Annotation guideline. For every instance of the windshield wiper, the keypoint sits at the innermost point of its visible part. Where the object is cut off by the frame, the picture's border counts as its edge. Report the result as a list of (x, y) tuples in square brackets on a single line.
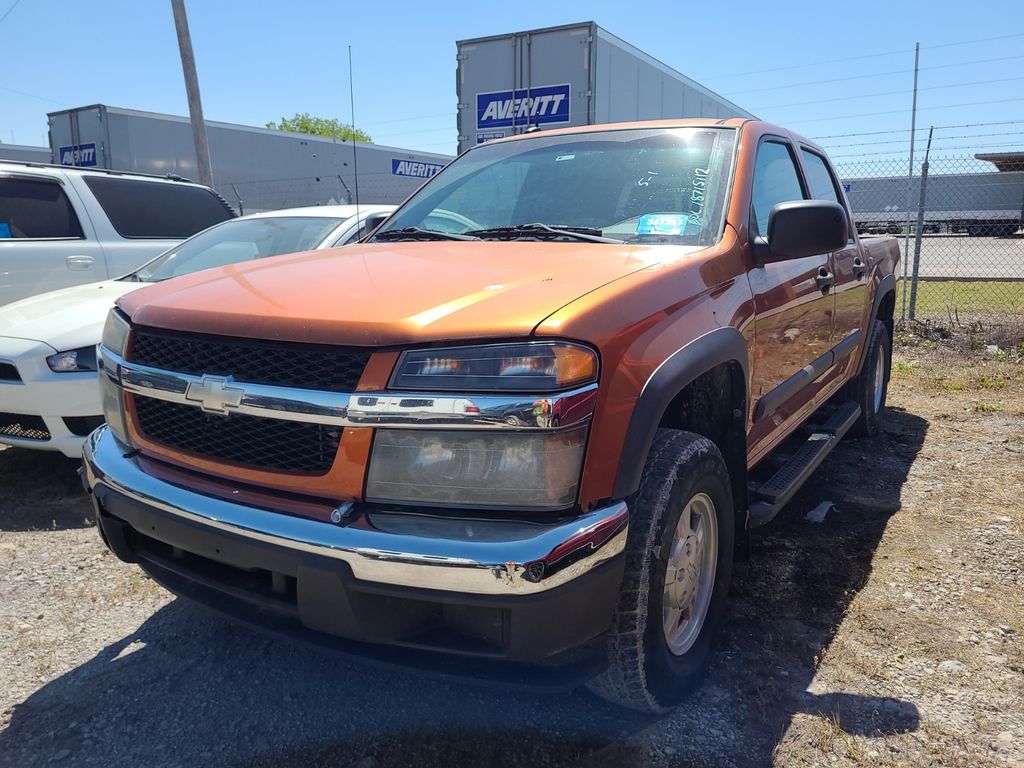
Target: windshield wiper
[(588, 234), (415, 233)]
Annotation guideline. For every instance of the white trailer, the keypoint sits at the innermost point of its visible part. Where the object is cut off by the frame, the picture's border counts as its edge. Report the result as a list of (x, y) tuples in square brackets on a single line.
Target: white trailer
[(255, 169), (578, 74)]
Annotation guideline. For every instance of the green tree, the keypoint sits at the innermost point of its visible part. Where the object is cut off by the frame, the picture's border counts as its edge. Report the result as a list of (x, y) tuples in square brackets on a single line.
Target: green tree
[(319, 126)]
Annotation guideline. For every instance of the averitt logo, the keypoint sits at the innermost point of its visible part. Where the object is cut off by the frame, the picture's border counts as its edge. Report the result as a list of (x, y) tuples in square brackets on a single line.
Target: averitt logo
[(78, 154), (525, 106), (415, 169)]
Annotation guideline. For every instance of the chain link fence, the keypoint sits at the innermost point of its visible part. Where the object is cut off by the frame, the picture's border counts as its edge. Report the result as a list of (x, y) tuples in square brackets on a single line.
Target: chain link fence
[(960, 222)]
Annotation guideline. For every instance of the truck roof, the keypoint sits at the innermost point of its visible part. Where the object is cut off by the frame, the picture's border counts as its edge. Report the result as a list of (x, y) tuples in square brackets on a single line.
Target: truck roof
[(679, 122)]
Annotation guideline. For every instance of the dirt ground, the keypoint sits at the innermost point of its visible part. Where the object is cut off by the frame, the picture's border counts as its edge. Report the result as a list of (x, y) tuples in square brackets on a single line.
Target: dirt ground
[(890, 634)]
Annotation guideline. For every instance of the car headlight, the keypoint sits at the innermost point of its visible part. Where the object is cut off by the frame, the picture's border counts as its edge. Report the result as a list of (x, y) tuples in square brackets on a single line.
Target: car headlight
[(532, 366), (115, 332), (74, 360), (466, 468), (112, 401)]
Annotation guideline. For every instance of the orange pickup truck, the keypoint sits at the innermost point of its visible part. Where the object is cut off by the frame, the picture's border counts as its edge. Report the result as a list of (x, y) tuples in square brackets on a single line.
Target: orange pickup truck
[(530, 420)]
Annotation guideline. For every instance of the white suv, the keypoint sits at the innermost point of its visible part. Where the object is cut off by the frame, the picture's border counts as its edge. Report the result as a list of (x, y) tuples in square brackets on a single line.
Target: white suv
[(62, 226)]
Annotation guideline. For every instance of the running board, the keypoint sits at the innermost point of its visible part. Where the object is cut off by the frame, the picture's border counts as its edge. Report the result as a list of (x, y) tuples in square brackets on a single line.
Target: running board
[(770, 497)]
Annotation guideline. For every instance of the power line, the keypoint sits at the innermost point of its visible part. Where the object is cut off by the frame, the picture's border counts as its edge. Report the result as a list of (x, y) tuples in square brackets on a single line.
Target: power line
[(896, 153), (907, 130), (873, 74), (920, 109), (937, 139), (859, 58), (29, 95), (8, 11), (895, 93)]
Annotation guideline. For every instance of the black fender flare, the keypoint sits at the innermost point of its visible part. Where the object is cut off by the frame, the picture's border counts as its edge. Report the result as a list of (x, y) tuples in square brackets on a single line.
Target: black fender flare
[(886, 285), (682, 367)]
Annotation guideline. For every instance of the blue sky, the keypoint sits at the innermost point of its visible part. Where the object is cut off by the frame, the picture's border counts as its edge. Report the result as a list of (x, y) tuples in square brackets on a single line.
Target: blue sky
[(822, 69)]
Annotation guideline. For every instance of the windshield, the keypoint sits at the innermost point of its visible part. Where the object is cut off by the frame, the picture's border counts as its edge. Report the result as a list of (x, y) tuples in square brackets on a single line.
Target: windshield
[(239, 240), (636, 186)]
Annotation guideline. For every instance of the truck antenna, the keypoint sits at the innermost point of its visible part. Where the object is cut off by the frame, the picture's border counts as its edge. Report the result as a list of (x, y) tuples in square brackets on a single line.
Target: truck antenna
[(352, 105)]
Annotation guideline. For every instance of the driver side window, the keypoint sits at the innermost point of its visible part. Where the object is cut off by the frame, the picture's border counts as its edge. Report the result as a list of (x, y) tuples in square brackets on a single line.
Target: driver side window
[(775, 181)]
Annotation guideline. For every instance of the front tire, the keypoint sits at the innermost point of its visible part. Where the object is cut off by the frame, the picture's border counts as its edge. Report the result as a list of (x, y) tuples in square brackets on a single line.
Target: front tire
[(678, 565)]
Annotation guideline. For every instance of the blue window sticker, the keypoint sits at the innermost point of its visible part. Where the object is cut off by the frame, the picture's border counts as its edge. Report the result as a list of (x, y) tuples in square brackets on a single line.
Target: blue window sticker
[(662, 224), (5, 229)]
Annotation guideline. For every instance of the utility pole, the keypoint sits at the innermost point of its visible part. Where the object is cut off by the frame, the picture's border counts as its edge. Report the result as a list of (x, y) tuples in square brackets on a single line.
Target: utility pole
[(195, 105)]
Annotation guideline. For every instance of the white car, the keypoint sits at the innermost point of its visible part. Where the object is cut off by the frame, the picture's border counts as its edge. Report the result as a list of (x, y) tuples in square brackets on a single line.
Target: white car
[(49, 398)]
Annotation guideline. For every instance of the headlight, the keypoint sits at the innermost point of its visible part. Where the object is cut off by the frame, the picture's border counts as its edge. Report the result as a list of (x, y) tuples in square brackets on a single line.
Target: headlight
[(113, 407), (115, 332), (539, 470), (83, 359), (533, 366)]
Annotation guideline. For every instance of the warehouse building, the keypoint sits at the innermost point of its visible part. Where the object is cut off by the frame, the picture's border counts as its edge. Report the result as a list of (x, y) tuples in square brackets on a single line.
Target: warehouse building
[(23, 153)]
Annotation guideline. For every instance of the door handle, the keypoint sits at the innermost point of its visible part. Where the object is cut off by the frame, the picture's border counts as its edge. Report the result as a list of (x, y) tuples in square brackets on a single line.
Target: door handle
[(80, 262), (825, 279), (859, 268)]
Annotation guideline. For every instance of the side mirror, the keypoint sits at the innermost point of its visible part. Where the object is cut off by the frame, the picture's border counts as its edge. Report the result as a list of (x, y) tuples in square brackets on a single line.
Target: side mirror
[(800, 228), (373, 221)]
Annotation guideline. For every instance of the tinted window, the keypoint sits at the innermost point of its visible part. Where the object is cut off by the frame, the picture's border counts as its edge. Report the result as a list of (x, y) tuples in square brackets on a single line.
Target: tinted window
[(818, 178), (775, 181), (154, 209), (36, 209), (241, 240)]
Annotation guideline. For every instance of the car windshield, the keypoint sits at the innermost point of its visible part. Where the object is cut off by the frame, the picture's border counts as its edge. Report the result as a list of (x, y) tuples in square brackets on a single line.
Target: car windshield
[(239, 240), (636, 186)]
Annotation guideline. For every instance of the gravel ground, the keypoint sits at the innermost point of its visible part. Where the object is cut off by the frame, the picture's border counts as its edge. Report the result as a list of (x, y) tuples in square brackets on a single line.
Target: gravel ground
[(888, 634)]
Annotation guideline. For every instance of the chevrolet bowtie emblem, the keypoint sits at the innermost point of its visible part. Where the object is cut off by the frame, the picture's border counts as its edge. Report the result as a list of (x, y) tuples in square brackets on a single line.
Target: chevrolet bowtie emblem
[(214, 394)]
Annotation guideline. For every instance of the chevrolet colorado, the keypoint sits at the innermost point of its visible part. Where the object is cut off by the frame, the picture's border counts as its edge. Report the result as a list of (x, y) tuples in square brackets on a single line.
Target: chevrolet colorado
[(530, 419)]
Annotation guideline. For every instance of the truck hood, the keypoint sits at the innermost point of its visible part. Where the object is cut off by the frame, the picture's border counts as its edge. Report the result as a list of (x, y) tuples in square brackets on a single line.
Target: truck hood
[(66, 319), (391, 293)]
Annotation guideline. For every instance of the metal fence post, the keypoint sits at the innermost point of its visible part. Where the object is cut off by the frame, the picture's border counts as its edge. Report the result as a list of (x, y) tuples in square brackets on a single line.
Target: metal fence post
[(920, 227)]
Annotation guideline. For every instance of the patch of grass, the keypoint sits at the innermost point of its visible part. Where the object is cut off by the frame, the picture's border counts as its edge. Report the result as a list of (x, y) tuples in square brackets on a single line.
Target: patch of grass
[(985, 408), (993, 382), (954, 385), (904, 368), (988, 297)]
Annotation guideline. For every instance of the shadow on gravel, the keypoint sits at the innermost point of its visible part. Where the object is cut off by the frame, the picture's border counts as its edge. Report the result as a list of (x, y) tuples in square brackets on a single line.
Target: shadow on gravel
[(41, 490), (789, 601), (187, 688)]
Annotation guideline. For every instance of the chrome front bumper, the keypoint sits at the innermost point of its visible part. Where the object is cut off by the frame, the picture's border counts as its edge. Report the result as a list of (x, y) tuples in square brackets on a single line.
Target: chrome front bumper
[(464, 555)]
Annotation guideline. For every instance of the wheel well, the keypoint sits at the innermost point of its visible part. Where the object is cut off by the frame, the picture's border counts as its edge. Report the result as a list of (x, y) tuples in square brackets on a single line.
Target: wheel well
[(886, 311), (715, 405)]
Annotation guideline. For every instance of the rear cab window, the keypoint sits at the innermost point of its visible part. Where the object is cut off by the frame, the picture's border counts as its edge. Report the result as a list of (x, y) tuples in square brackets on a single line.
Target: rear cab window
[(152, 209), (822, 183), (36, 209)]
